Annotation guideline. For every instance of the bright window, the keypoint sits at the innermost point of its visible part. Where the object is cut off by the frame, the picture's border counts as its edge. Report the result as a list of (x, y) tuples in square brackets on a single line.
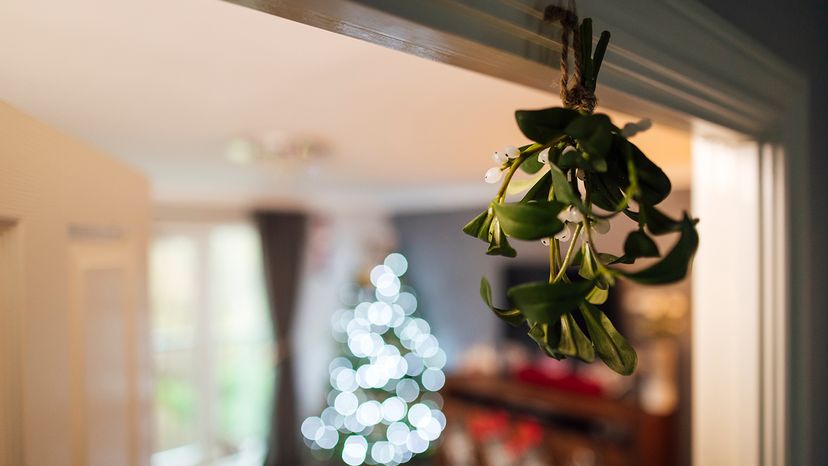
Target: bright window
[(212, 345)]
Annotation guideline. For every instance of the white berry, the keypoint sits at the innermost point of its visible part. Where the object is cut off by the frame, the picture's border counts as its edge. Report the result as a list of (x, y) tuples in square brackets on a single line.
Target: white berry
[(543, 157), (511, 152), (568, 149), (546, 241), (499, 157), (493, 175), (566, 233), (574, 215)]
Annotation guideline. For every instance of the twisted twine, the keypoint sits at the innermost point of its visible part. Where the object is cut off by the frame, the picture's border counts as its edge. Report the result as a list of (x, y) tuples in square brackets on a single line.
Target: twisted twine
[(578, 97)]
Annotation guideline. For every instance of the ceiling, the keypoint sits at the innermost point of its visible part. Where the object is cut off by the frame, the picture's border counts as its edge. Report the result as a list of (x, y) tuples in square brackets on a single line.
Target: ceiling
[(165, 86)]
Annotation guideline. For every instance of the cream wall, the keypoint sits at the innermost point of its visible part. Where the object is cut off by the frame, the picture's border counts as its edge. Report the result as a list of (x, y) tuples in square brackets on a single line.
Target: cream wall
[(73, 301)]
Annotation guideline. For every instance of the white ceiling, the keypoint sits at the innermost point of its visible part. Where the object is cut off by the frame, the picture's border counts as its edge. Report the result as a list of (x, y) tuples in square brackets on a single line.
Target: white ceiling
[(165, 85)]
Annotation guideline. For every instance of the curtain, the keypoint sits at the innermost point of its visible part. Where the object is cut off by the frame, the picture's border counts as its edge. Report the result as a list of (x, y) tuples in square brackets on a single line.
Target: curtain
[(283, 237)]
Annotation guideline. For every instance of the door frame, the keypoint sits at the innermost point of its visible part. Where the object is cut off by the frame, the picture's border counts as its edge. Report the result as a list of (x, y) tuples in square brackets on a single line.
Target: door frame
[(726, 78)]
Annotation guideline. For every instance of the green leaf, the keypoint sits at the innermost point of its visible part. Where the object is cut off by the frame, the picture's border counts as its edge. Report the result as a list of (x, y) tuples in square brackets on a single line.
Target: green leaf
[(540, 191), (547, 337), (498, 244), (573, 342), (479, 226), (598, 295), (563, 190), (604, 192), (593, 132), (531, 165), (674, 266), (638, 244), (547, 302), (529, 221), (657, 222), (545, 126), (512, 316), (610, 345), (653, 184)]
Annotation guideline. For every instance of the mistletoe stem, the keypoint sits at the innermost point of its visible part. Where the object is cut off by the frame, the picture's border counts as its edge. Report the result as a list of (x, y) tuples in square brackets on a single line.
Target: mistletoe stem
[(568, 256), (512, 169)]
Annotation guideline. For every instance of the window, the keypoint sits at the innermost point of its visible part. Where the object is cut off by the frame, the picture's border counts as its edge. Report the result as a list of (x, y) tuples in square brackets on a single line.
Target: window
[(212, 345)]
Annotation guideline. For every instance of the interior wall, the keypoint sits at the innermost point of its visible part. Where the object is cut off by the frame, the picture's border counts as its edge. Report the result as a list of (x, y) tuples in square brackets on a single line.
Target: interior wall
[(796, 32), (67, 198)]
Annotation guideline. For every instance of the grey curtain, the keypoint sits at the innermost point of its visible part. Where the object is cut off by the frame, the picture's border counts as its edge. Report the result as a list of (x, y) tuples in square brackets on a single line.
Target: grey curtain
[(283, 238)]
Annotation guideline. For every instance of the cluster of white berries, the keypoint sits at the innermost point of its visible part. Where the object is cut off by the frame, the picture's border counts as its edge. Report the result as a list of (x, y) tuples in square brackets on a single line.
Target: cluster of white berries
[(500, 157), (631, 129), (571, 218)]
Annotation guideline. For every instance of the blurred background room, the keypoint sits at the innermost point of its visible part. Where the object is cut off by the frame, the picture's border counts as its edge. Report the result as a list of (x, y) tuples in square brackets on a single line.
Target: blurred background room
[(230, 235)]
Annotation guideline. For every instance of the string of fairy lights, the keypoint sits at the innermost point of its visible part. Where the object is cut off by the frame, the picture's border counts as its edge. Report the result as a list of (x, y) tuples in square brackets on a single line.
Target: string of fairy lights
[(383, 406)]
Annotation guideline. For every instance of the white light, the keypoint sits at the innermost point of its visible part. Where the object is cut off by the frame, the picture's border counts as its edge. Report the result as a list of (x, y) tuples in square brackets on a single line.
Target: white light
[(440, 417), (431, 430), (415, 443), (397, 433), (312, 427), (397, 316), (419, 415), (328, 438), (352, 424), (393, 409), (408, 302), (369, 413), (415, 364), (340, 362), (345, 380), (426, 345), (437, 361), (346, 403), (388, 285), (353, 453), (397, 263), (332, 418), (380, 313), (378, 272), (433, 379), (408, 390), (382, 452)]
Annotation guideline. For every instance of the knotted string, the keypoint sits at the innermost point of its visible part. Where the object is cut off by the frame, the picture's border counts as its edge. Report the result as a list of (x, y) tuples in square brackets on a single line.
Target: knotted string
[(579, 96)]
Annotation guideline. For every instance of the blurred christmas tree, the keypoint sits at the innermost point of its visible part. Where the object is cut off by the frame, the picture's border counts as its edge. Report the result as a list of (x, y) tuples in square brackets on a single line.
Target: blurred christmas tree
[(383, 407)]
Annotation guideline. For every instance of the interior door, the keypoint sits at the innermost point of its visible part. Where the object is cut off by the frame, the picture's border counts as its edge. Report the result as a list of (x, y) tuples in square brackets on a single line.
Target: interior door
[(72, 301)]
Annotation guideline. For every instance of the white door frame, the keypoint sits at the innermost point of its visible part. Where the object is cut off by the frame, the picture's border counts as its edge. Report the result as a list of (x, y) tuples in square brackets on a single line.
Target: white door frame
[(723, 78)]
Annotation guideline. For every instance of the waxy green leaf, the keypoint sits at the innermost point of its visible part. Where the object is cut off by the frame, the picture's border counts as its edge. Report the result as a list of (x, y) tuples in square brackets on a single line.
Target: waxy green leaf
[(540, 191), (529, 221), (547, 337), (478, 227), (610, 345), (513, 316), (547, 302), (638, 244), (547, 125), (593, 132), (674, 266), (498, 244), (573, 342)]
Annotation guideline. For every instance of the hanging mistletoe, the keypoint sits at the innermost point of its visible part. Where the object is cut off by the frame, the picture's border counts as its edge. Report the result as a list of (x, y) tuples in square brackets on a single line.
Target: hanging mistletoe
[(586, 172)]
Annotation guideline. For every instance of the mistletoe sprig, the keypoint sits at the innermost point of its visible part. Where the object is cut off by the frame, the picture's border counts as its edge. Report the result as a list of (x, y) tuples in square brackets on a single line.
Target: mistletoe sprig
[(586, 172)]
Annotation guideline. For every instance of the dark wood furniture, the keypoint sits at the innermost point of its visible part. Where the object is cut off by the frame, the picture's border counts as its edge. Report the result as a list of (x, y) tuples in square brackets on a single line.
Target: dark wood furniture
[(618, 432)]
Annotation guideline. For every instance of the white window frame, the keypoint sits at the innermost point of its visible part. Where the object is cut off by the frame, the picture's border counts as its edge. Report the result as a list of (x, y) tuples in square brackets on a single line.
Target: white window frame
[(724, 78), (198, 453)]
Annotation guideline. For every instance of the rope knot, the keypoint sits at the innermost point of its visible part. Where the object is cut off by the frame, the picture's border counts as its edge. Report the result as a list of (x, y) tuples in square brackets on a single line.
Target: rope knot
[(578, 97)]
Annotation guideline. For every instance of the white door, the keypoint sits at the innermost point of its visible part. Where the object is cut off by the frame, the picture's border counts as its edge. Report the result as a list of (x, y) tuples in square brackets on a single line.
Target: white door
[(73, 233)]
